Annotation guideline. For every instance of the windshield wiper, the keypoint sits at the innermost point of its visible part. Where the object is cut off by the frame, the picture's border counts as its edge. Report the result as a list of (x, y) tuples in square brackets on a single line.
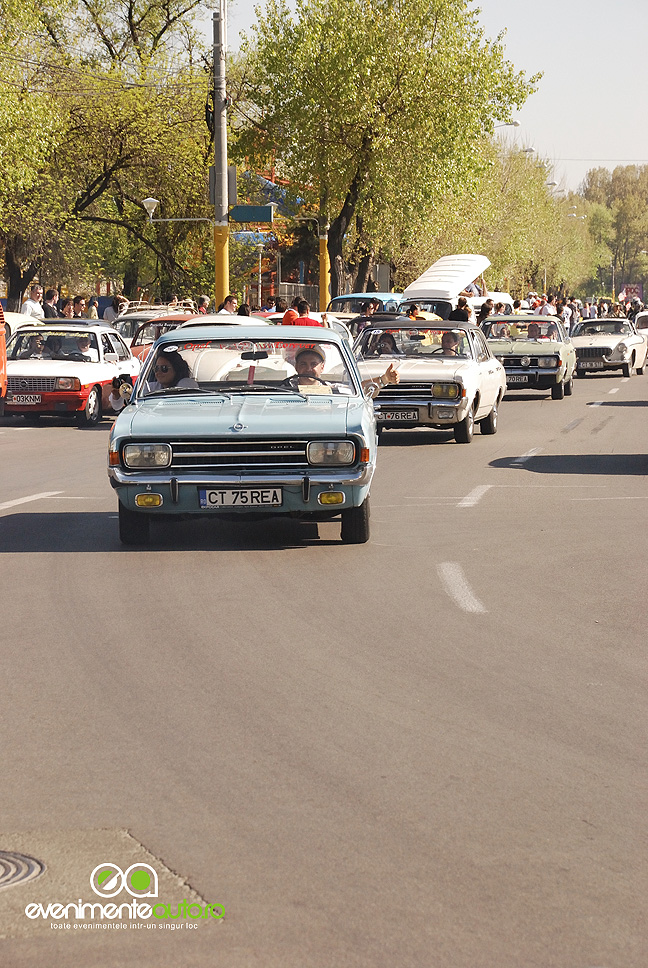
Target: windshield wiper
[(160, 393), (268, 387)]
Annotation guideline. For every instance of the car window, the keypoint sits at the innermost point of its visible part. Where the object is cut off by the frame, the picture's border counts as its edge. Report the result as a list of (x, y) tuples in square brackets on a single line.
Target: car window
[(53, 344), (248, 366), (412, 341), (483, 353), (119, 347)]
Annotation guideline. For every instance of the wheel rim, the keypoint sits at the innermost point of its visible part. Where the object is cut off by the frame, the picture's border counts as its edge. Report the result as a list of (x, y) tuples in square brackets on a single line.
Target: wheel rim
[(93, 405)]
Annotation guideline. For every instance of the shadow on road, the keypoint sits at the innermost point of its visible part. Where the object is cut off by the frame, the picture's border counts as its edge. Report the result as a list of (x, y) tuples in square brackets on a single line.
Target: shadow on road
[(622, 403), (51, 423), (609, 465), (74, 532), (414, 438)]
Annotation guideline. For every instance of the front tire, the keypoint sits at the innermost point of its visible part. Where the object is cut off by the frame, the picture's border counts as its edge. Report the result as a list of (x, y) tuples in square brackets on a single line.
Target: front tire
[(355, 524), (569, 386), (558, 391), (489, 424), (133, 526), (91, 414), (463, 431)]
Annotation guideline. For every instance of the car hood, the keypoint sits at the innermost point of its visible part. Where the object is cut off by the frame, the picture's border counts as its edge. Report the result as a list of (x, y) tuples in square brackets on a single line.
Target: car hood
[(447, 277), (86, 372), (601, 339), (251, 414), (525, 347), (416, 370)]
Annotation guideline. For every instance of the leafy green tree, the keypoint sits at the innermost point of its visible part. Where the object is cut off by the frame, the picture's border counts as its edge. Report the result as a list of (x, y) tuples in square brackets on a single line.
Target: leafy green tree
[(368, 121)]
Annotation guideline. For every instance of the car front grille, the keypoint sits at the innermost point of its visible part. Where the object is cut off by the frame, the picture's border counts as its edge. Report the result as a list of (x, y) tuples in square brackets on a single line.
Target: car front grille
[(31, 384), (593, 352), (407, 391), (516, 361), (237, 456)]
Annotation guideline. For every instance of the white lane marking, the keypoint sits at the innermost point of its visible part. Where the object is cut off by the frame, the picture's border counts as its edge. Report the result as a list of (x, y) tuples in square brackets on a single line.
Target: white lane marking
[(456, 586), (525, 457), (625, 379), (615, 390), (26, 500), (597, 403), (477, 493)]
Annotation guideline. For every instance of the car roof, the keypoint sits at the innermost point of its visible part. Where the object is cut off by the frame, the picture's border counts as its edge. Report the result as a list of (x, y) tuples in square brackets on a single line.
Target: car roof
[(316, 334), (89, 325), (525, 317), (399, 321)]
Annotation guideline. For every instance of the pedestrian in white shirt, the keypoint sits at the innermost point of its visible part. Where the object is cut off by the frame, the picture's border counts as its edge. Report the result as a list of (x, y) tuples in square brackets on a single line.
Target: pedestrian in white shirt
[(32, 306)]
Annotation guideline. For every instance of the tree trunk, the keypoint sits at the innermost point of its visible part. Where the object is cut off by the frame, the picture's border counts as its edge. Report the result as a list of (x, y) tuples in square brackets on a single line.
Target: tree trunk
[(341, 222), (18, 277)]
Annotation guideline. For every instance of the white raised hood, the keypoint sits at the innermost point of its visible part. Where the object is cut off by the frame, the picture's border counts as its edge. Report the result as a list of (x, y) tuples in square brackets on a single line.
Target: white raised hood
[(447, 277)]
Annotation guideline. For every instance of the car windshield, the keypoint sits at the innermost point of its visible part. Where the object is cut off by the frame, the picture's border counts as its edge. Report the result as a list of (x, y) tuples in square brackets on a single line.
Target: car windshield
[(413, 342), (617, 327), (522, 329), (150, 332), (247, 366), (440, 307), (53, 344)]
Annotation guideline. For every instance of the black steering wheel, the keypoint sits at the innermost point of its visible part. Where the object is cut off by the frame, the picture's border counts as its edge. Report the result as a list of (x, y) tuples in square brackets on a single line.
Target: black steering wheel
[(440, 349)]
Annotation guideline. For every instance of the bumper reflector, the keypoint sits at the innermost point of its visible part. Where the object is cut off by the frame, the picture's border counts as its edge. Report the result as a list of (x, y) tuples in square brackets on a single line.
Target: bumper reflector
[(148, 500), (331, 497)]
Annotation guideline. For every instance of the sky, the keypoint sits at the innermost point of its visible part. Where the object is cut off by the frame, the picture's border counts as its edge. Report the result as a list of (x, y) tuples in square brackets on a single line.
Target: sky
[(589, 110)]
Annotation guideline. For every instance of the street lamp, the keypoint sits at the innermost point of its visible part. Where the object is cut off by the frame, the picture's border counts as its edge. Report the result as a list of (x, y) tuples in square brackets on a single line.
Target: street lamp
[(507, 124), (150, 204), (528, 151)]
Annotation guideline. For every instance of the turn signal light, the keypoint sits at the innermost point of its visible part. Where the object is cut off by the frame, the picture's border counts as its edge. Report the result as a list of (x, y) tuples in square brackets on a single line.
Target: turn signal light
[(364, 455)]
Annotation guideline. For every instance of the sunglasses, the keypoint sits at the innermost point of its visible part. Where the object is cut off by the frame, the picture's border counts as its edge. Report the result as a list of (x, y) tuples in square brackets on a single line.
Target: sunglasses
[(162, 368)]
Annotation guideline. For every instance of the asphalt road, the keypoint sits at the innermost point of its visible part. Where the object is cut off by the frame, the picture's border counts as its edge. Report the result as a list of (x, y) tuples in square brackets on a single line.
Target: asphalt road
[(425, 751)]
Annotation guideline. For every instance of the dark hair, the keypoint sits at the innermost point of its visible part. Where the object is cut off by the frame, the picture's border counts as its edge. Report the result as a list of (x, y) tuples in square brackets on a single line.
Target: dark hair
[(77, 300), (244, 309), (280, 304), (295, 303), (179, 364), (302, 307), (51, 294)]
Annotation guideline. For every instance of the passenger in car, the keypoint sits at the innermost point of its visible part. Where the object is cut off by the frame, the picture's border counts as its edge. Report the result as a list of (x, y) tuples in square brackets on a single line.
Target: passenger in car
[(35, 348), (533, 331), (449, 343), (170, 369), (385, 343)]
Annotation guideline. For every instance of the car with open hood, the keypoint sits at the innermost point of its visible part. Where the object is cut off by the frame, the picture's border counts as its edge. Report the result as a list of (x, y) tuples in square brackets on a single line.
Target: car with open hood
[(245, 421), (609, 343), (535, 351), (61, 369), (449, 379), (439, 287)]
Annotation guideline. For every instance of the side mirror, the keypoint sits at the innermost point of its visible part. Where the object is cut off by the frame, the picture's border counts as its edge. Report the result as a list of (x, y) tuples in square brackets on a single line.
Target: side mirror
[(111, 358)]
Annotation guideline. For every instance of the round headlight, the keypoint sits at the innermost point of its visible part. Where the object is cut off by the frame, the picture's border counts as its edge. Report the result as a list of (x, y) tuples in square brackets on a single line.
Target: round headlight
[(622, 349), (524, 361)]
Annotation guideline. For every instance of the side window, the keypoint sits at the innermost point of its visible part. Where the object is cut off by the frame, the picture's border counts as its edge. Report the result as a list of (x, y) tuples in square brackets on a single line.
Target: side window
[(105, 342), (119, 347), (481, 348)]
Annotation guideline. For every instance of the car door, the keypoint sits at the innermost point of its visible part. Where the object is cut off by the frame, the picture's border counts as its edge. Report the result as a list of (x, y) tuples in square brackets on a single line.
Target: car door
[(489, 372)]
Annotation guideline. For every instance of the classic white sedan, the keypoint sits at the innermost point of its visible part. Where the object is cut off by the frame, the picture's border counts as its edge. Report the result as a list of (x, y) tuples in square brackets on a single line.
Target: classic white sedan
[(65, 369), (609, 344), (449, 379)]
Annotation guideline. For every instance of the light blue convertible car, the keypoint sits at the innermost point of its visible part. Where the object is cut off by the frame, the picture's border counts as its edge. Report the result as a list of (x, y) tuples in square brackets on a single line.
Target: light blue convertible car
[(244, 421)]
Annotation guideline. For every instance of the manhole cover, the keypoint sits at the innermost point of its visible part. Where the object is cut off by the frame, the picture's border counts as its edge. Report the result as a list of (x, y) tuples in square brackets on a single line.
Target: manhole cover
[(18, 868)]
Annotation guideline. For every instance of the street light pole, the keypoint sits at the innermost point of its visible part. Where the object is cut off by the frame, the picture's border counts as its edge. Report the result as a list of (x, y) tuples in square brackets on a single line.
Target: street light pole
[(221, 223)]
